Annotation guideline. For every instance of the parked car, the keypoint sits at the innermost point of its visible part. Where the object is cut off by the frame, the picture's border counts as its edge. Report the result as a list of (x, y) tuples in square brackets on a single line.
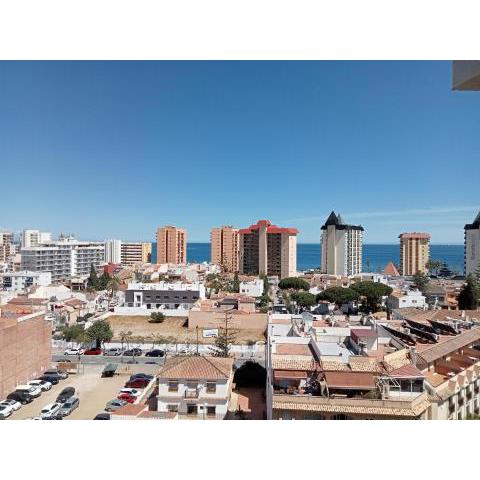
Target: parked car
[(5, 411), (50, 410), (69, 406), (155, 353), (15, 404), (56, 371), (93, 351), (133, 352), (128, 397), (109, 370), (102, 416), (53, 379), (115, 404), (136, 392), (112, 352), (137, 383), (141, 375), (42, 384), (65, 394), (74, 351), (30, 389), (22, 397)]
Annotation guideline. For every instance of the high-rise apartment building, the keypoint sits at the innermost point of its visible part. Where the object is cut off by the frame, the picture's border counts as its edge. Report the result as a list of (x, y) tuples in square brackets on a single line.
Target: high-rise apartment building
[(113, 251), (7, 247), (472, 245), (224, 246), (414, 252), (136, 252), (65, 258), (342, 247), (32, 238), (266, 249), (171, 245)]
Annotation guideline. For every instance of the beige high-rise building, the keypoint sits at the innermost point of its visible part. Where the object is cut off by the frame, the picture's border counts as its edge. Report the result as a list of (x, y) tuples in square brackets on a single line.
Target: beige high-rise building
[(135, 252), (225, 248), (414, 252), (171, 245), (266, 249)]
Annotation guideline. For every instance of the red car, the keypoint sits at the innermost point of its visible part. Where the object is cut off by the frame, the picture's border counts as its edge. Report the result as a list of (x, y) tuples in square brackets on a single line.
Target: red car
[(137, 383), (127, 397), (93, 351)]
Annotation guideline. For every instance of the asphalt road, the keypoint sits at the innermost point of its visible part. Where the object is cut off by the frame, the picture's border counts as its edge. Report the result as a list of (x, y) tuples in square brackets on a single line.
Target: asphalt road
[(102, 360)]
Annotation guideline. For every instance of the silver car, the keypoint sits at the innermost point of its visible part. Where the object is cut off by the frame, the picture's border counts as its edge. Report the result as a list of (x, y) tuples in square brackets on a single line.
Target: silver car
[(113, 352), (69, 406), (114, 404)]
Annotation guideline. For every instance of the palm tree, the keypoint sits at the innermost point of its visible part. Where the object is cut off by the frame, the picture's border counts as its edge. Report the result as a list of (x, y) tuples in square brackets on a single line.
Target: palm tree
[(125, 337)]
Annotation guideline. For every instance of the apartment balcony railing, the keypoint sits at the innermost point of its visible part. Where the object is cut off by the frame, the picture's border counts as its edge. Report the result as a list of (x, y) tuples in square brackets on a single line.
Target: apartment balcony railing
[(191, 393), (401, 403)]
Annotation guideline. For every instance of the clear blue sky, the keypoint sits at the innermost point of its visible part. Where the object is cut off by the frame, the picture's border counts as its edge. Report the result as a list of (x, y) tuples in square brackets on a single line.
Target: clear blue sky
[(114, 149)]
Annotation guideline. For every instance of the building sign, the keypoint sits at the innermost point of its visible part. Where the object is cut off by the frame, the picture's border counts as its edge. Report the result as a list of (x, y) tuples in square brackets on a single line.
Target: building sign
[(212, 332)]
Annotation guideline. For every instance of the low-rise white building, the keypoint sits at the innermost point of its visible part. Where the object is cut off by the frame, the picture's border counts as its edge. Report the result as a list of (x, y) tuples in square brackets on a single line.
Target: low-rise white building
[(253, 288), (195, 387), (406, 298), (23, 280)]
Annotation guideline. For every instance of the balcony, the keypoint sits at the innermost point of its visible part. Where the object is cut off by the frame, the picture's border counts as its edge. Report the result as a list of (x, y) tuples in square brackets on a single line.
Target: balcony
[(192, 393), (401, 407)]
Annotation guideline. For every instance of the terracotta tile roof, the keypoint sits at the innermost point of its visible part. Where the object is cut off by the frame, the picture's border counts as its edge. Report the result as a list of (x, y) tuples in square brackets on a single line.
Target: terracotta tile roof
[(363, 333), (130, 409), (391, 269), (395, 360), (335, 366), (209, 368), (407, 371), (293, 362), (289, 374), (439, 350), (360, 380), (364, 364)]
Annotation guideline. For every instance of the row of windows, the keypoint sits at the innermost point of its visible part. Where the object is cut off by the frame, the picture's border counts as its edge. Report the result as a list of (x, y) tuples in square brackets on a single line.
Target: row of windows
[(211, 387)]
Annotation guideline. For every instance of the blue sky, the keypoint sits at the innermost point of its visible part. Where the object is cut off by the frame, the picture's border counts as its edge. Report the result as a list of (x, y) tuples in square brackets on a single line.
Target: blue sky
[(114, 149)]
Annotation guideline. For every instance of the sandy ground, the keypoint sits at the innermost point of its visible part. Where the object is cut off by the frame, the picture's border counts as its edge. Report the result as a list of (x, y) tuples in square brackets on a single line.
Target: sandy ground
[(172, 330), (93, 391)]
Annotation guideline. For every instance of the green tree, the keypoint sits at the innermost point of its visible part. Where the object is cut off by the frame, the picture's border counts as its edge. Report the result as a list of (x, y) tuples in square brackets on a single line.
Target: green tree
[(304, 299), (225, 338), (100, 332), (338, 295), (236, 283), (434, 266), (92, 281), (73, 333), (371, 293), (103, 281), (468, 298), (421, 281), (156, 317), (293, 283)]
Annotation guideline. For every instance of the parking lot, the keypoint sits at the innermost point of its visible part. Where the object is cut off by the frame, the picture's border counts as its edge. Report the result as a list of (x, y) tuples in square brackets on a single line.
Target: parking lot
[(92, 390)]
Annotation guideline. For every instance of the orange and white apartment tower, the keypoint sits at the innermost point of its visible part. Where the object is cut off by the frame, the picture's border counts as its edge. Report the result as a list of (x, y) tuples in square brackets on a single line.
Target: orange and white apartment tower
[(225, 249), (171, 245), (266, 249), (414, 252)]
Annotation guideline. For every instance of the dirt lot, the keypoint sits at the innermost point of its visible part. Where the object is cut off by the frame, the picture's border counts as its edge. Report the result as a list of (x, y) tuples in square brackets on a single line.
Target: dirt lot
[(172, 330), (92, 390)]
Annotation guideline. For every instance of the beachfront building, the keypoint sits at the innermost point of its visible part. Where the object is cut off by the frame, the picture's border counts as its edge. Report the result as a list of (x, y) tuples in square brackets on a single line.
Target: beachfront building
[(133, 253), (171, 245), (266, 249), (342, 247), (113, 250), (225, 248), (65, 258), (472, 245), (414, 252), (195, 387)]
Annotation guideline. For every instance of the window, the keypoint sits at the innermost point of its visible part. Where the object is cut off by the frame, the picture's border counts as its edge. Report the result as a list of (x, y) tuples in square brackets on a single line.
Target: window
[(192, 385), (211, 387), (172, 408), (173, 385), (192, 410), (210, 411)]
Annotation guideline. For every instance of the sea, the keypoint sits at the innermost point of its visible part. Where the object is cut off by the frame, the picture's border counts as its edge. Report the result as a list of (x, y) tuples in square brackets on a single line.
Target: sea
[(375, 256)]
